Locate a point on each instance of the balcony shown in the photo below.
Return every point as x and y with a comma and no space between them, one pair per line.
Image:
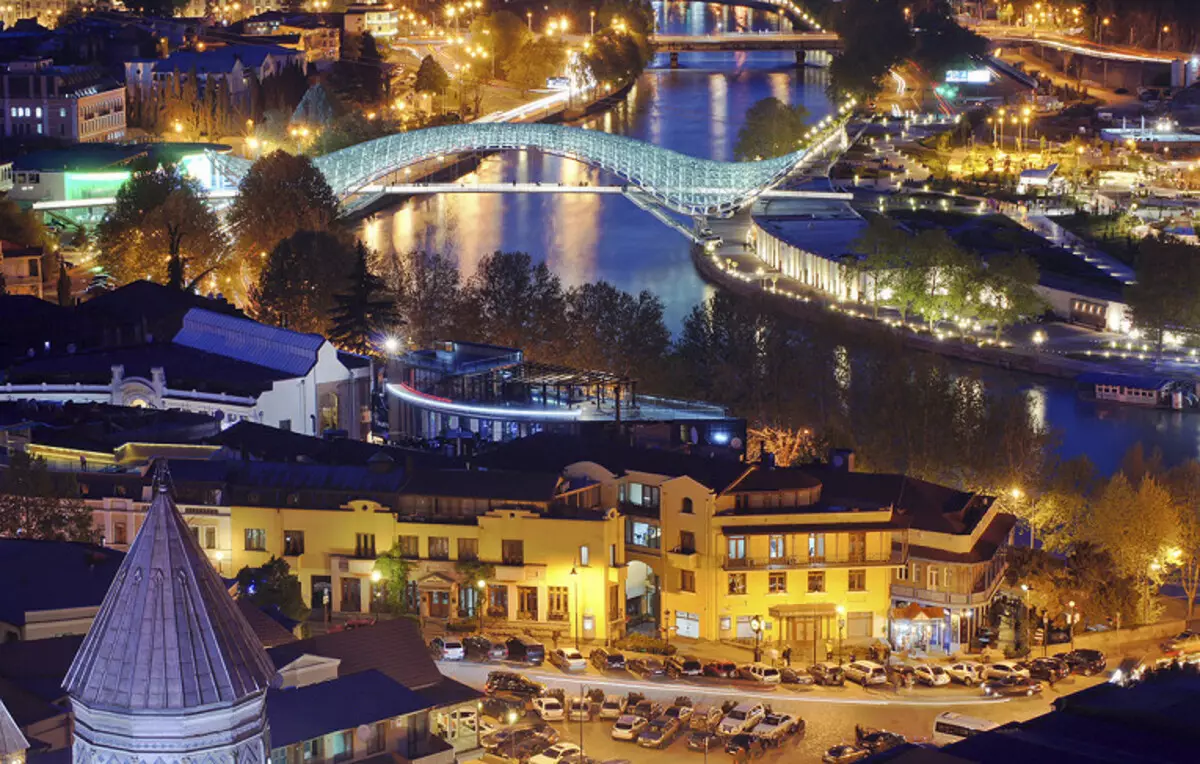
684,558
948,599
826,561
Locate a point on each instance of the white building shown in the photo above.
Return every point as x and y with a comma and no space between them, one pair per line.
76,104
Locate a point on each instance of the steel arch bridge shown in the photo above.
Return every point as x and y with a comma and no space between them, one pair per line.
681,183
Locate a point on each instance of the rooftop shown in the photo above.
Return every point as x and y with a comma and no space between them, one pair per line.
96,157
345,703
221,58
501,485
53,575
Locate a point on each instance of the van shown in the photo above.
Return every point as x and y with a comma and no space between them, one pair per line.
526,650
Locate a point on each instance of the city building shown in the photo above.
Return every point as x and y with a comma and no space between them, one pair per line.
45,12
75,104
320,42
378,20
234,64
52,588
21,268
474,393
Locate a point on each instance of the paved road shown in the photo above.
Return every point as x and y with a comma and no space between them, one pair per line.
830,713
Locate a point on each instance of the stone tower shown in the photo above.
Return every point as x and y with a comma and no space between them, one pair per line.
170,672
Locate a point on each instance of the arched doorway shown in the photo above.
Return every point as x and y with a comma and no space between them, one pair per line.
641,598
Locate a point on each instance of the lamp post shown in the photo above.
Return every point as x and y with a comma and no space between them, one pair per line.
841,620
1165,30
575,578
512,739
1025,604
481,585
592,14
756,626
1071,623
529,19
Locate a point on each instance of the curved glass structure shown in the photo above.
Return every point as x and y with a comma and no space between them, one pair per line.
681,183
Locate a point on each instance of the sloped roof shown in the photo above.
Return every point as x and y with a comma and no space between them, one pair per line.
53,575
395,648
168,637
250,341
11,739
345,703
500,485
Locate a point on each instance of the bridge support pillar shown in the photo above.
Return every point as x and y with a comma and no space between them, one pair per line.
674,60
801,57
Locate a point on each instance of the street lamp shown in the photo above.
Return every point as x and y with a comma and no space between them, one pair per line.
841,620
1165,30
756,626
1028,625
529,19
512,719
593,17
575,578
481,585
1071,623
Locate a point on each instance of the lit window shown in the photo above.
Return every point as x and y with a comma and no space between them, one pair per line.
38,112
62,113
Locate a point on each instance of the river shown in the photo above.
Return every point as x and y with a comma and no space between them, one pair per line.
697,110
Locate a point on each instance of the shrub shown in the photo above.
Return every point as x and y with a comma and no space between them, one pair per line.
640,643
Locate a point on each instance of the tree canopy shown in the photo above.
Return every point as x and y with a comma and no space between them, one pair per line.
772,129
273,586
501,34
303,273
431,77
1168,279
36,503
537,61
364,310
875,37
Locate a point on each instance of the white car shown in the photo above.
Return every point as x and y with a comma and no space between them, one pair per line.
866,672
1182,644
933,676
628,727
550,709
447,649
568,659
776,726
1004,670
613,706
579,709
742,718
967,672
555,753
760,672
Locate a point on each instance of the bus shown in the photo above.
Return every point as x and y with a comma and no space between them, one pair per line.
951,727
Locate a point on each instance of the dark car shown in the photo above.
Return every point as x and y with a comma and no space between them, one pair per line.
647,668
481,648
525,749
1011,685
742,743
827,674
497,705
703,741
607,659
1086,662
660,732
513,683
1049,669
683,665
845,754
503,740
646,708
795,676
877,741
721,669
525,650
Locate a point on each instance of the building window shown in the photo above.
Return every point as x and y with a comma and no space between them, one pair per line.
439,548
313,751
256,540
687,581
933,577
816,582
643,534
341,746
777,548
737,547
468,549
62,113
497,601
737,583
816,547
858,547
378,741
558,608
639,495
858,580
120,535
293,543
527,603
688,507
612,555
364,545
410,547
616,611
687,542
585,556
512,551
777,583
902,573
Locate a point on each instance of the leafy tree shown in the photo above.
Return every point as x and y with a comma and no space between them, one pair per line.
280,195
875,37
63,286
428,294
36,503
1008,290
372,70
1184,557
1168,279
21,226
501,34
297,286
883,249
614,330
941,42
273,586
615,56
394,570
515,303
159,226
537,60
949,276
364,309
1059,507
787,446
772,129
431,77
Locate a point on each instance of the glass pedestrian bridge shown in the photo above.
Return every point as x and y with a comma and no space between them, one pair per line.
683,184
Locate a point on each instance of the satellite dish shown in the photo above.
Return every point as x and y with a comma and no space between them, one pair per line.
363,734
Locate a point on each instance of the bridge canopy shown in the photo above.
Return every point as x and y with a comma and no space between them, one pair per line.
681,183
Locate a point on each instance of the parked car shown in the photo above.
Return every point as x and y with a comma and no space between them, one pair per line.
682,713
965,672
1086,662
447,649
555,754
499,704
1181,644
703,740
549,708
931,675
866,673
877,741
524,750
647,709
526,650
606,659
502,739
705,718
741,718
720,669
795,676
741,743
845,754
568,659
684,665
1012,685
579,709
1049,669
775,727
660,732
481,648
612,707
628,727
759,672
1004,670
827,674
647,668
513,683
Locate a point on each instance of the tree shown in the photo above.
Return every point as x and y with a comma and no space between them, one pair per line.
1058,509
22,227
537,61
36,503
428,294
297,286
949,273
787,446
501,34
280,195
883,249
613,330
273,586
772,129
1007,290
1164,296
431,77
515,303
65,298
159,226
1184,557
941,42
364,310
372,70
875,37
394,570
615,56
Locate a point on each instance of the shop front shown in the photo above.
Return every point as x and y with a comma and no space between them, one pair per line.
920,627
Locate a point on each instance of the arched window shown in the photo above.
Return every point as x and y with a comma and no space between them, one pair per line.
687,506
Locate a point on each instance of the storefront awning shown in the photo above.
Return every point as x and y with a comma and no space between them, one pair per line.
916,612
